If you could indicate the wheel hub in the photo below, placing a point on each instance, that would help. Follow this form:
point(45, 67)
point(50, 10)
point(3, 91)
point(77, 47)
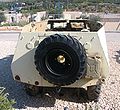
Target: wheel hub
point(58, 62)
point(61, 59)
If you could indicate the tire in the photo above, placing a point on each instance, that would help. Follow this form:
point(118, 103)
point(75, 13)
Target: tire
point(59, 71)
point(93, 92)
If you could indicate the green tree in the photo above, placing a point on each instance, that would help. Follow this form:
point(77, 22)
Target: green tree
point(2, 17)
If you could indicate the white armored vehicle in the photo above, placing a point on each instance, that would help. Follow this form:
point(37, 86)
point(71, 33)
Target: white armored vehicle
point(62, 53)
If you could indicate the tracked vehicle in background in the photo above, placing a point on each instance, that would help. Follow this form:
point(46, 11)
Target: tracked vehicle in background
point(62, 53)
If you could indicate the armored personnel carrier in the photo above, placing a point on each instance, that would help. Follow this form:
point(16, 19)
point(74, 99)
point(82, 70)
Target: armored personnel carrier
point(62, 53)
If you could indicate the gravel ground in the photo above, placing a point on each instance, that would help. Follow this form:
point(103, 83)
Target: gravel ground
point(109, 98)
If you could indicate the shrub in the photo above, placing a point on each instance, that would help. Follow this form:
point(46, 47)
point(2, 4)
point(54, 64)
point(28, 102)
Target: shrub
point(2, 17)
point(5, 103)
point(94, 18)
point(21, 23)
point(91, 17)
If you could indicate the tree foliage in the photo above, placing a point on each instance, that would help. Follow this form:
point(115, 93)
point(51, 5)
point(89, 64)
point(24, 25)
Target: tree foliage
point(33, 6)
point(2, 17)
